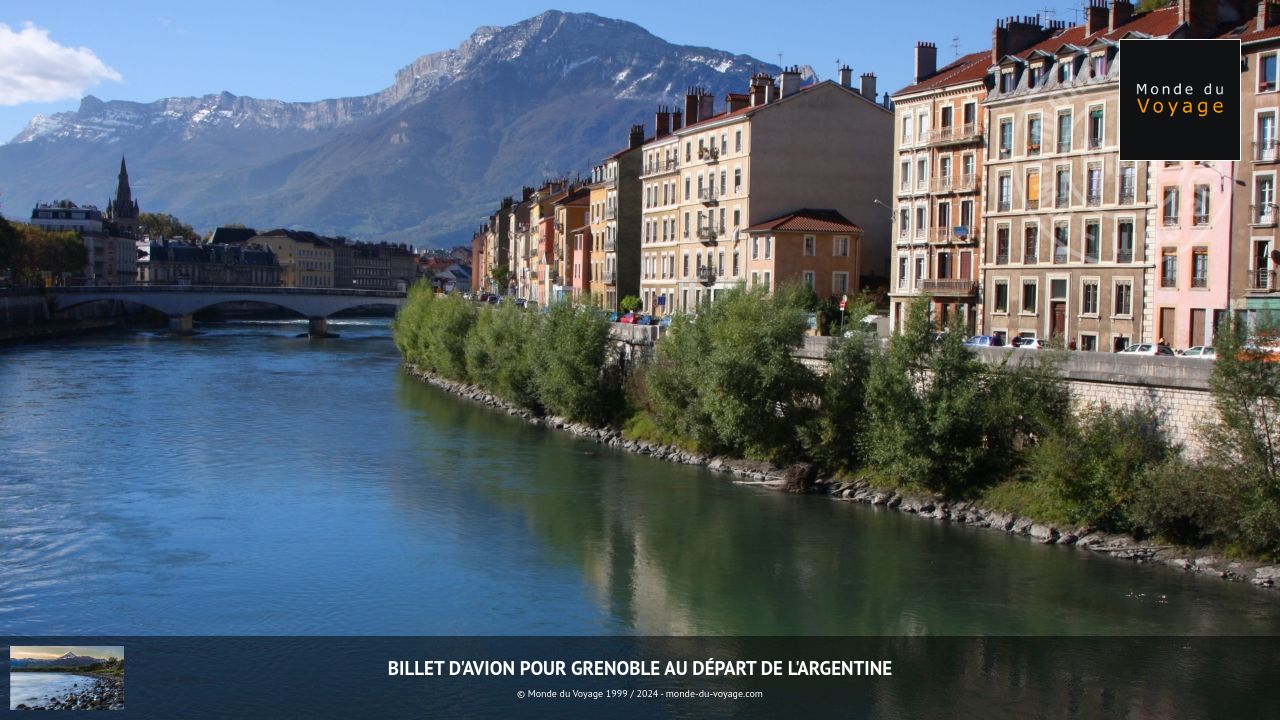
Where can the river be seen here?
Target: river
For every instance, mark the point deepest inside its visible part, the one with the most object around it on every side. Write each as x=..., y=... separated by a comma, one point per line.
x=249, y=482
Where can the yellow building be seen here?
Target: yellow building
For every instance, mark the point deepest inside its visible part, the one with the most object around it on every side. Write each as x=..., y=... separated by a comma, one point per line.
x=305, y=259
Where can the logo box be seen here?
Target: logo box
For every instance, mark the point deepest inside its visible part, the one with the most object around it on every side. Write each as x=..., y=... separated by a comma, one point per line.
x=1179, y=99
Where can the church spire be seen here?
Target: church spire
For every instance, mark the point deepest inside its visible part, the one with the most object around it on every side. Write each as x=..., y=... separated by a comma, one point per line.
x=123, y=210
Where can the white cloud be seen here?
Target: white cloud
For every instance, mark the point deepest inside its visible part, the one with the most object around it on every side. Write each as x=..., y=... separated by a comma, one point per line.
x=34, y=68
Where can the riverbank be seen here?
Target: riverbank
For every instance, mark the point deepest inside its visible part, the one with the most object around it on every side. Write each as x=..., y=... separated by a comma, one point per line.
x=55, y=329
x=105, y=692
x=801, y=479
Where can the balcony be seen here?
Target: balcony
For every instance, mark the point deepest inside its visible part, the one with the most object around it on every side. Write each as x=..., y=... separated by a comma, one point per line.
x=1199, y=281
x=1033, y=149
x=709, y=233
x=1095, y=143
x=1003, y=205
x=1030, y=256
x=1002, y=258
x=1265, y=152
x=1064, y=146
x=1199, y=219
x=710, y=154
x=706, y=274
x=948, y=235
x=951, y=288
x=1005, y=153
x=953, y=135
x=1261, y=280
x=609, y=277
x=1032, y=203
x=610, y=244
x=708, y=196
x=1060, y=256
x=1061, y=201
x=1263, y=214
x=1126, y=196
x=1124, y=255
x=610, y=212
x=1093, y=200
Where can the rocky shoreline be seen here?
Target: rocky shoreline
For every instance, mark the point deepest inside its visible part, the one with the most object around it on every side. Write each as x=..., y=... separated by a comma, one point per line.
x=106, y=692
x=801, y=478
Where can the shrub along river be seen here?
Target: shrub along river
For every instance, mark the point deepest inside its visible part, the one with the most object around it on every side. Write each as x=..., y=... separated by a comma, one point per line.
x=248, y=482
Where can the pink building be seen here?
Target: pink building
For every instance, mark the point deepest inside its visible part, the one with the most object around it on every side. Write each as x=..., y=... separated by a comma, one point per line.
x=581, y=267
x=1191, y=250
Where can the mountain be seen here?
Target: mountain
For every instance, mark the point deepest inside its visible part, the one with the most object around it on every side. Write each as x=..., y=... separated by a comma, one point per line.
x=421, y=161
x=68, y=660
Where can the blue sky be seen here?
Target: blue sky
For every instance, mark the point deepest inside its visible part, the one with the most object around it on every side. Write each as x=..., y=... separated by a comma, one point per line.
x=51, y=54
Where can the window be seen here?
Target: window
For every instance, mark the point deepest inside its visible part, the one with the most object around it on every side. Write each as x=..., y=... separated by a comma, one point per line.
x=902, y=272
x=1099, y=63
x=1200, y=268
x=1004, y=190
x=944, y=217
x=737, y=217
x=922, y=221
x=906, y=129
x=766, y=281
x=1096, y=132
x=1002, y=296
x=1202, y=205
x=1168, y=268
x=944, y=266
x=1128, y=183
x=1031, y=244
x=1032, y=200
x=1267, y=72
x=1093, y=185
x=1265, y=200
x=808, y=279
x=1089, y=297
x=686, y=264
x=735, y=263
x=1064, y=132
x=966, y=215
x=1006, y=138
x=810, y=245
x=840, y=246
x=1002, y=245
x=922, y=173
x=1124, y=298
x=1170, y=206
x=755, y=248
x=944, y=170
x=1061, y=243
x=1033, y=135
x=1033, y=75
x=768, y=247
x=737, y=180
x=1088, y=342
x=1124, y=241
x=905, y=182
x=970, y=116
x=904, y=222
x=919, y=269
x=686, y=187
x=839, y=283
x=737, y=141
x=1062, y=195
x=1029, y=290
x=1092, y=240
x=1064, y=71
x=1006, y=81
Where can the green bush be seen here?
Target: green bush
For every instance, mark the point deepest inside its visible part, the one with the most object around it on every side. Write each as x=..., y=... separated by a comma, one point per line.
x=728, y=379
x=569, y=364
x=836, y=437
x=447, y=320
x=1097, y=465
x=410, y=322
x=499, y=353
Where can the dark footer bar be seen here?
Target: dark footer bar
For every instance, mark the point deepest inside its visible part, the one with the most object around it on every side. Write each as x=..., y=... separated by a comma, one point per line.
x=656, y=677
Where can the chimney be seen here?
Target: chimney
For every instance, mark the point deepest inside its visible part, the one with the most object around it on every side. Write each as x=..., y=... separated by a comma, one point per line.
x=868, y=88
x=526, y=193
x=636, y=139
x=759, y=82
x=677, y=120
x=735, y=101
x=691, y=106
x=1268, y=14
x=1015, y=34
x=926, y=60
x=1200, y=17
x=1121, y=11
x=770, y=92
x=706, y=104
x=1095, y=16
x=846, y=76
x=790, y=81
x=662, y=122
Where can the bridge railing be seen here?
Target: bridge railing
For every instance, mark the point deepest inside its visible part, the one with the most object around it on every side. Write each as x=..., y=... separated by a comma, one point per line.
x=236, y=289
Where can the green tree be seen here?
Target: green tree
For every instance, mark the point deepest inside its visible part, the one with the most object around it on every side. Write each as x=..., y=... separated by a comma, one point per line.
x=836, y=437
x=446, y=322
x=630, y=303
x=501, y=276
x=499, y=353
x=569, y=364
x=163, y=225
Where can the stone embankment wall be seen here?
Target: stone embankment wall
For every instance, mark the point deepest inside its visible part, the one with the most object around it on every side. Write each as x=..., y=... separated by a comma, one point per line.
x=1176, y=388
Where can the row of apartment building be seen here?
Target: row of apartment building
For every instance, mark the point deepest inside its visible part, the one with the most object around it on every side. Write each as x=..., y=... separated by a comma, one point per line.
x=1015, y=212
x=780, y=183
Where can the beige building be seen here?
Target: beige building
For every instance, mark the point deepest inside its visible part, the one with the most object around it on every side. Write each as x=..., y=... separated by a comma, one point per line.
x=305, y=259
x=776, y=149
x=593, y=274
x=937, y=179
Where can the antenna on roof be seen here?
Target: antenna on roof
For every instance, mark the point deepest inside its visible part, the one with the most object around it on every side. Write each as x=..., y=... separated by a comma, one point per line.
x=780, y=59
x=955, y=45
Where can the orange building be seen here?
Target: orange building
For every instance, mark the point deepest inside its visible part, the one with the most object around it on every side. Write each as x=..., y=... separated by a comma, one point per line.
x=819, y=248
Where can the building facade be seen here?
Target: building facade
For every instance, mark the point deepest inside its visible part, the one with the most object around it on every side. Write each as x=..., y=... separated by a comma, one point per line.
x=937, y=176
x=170, y=262
x=306, y=260
x=818, y=248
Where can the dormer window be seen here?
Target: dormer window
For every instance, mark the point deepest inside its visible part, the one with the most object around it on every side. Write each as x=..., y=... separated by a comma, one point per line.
x=1006, y=81
x=1033, y=77
x=1099, y=62
x=1064, y=70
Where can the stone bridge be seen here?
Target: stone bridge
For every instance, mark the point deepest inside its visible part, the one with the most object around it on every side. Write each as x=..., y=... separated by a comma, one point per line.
x=180, y=302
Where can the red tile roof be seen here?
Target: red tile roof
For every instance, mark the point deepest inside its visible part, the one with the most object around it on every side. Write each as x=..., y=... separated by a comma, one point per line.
x=966, y=69
x=807, y=220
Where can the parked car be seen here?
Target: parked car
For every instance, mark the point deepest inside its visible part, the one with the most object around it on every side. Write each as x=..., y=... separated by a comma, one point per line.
x=494, y=299
x=1148, y=349
x=1028, y=343
x=614, y=317
x=628, y=319
x=645, y=320
x=521, y=302
x=984, y=341
x=664, y=321
x=1205, y=352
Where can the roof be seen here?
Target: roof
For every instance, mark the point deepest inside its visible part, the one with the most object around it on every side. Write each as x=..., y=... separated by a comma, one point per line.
x=807, y=220
x=965, y=69
x=1248, y=32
